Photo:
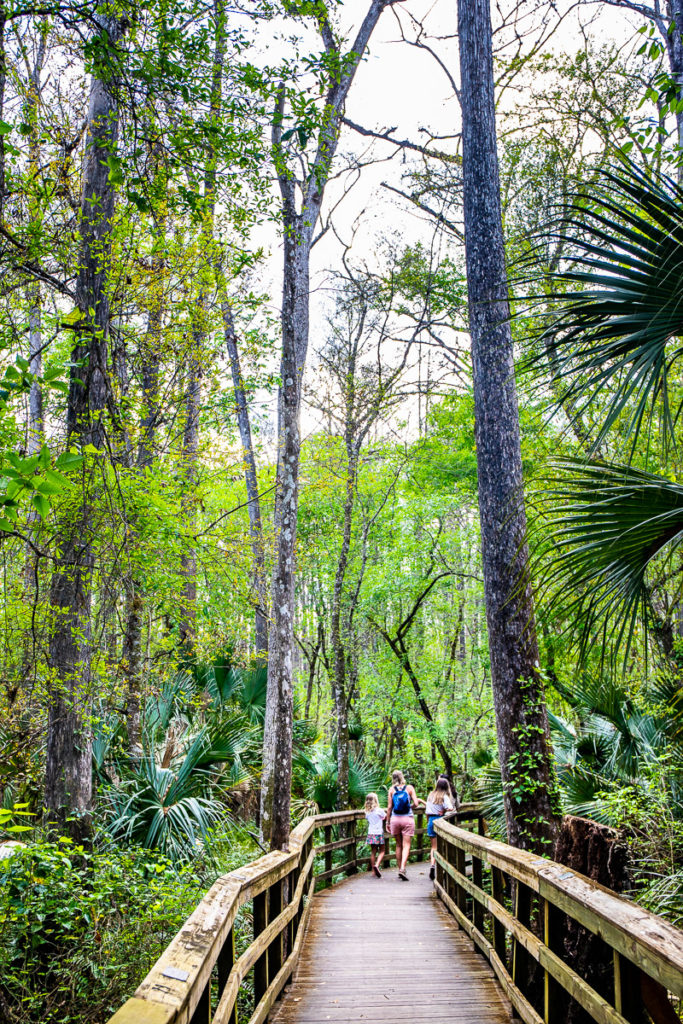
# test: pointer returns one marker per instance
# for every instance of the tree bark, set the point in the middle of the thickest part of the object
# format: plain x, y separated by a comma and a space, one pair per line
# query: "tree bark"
251, 479
341, 703
531, 804
131, 654
298, 237
68, 771
195, 370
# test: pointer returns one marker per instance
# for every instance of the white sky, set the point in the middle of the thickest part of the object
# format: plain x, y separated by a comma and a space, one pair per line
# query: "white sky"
402, 88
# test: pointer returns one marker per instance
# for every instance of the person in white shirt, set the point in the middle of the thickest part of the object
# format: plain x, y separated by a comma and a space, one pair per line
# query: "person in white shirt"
438, 802
375, 816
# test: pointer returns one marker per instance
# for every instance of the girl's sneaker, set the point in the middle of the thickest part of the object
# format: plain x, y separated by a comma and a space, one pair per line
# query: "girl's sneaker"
377, 871
403, 876
432, 873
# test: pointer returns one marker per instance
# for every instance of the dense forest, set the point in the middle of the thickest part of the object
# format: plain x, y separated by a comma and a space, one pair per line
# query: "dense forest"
339, 432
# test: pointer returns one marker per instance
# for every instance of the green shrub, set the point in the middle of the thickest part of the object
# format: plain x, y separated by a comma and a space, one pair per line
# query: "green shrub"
79, 929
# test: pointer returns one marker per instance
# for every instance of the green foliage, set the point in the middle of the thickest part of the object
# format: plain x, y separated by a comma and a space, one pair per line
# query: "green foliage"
79, 928
320, 781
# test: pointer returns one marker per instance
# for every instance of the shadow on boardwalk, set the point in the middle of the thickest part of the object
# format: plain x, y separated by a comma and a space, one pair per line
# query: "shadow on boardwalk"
387, 952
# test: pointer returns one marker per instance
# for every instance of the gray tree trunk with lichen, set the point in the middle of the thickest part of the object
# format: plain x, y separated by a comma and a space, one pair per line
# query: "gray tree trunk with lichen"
299, 225
531, 807
68, 769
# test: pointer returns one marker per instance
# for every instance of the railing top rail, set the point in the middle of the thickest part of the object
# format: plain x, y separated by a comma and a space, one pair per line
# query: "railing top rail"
647, 940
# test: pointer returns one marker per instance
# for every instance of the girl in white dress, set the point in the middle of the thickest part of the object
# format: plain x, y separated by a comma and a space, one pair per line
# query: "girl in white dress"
375, 816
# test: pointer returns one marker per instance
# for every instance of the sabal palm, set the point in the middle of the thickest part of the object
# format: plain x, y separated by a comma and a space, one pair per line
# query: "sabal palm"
615, 332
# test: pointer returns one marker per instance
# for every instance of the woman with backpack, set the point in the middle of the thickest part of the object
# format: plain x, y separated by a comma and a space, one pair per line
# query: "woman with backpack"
401, 820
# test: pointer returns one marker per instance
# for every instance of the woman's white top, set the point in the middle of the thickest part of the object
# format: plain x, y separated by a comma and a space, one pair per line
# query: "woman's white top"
375, 821
432, 809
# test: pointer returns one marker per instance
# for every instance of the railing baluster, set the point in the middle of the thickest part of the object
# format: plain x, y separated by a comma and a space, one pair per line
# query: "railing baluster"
554, 999
477, 879
498, 893
628, 1000
328, 853
441, 850
293, 926
226, 959
460, 891
353, 849
521, 961
202, 1013
420, 855
260, 912
275, 948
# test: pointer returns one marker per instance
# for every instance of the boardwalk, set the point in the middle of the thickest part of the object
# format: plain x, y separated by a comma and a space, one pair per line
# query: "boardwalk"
387, 952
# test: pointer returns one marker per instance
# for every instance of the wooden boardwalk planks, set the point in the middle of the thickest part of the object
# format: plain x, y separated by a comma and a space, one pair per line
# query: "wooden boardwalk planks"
387, 952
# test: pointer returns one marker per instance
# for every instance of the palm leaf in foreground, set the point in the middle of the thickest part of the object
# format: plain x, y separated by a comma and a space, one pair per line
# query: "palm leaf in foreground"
619, 302
609, 523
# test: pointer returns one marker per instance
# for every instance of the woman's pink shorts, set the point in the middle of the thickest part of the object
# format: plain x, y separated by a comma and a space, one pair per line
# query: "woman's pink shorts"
402, 825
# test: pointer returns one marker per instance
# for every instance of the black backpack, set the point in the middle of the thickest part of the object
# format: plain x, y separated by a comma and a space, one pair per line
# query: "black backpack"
401, 802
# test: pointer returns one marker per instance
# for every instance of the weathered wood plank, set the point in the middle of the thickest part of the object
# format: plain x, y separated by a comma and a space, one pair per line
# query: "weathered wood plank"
367, 936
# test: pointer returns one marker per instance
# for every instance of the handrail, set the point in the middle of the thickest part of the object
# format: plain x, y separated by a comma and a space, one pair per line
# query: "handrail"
518, 912
198, 969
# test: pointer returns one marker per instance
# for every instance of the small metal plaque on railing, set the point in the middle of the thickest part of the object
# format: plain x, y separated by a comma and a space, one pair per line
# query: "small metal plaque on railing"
176, 973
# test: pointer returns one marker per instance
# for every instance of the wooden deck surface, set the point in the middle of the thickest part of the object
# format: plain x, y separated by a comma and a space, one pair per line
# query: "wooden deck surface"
386, 951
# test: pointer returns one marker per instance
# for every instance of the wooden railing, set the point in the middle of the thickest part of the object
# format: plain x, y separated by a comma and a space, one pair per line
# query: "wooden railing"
198, 978
521, 911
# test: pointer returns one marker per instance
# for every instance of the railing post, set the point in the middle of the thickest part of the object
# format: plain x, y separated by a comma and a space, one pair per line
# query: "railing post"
420, 839
477, 908
521, 962
440, 849
553, 996
202, 1013
293, 926
353, 848
328, 853
260, 913
452, 887
275, 948
498, 893
460, 891
628, 1000
226, 959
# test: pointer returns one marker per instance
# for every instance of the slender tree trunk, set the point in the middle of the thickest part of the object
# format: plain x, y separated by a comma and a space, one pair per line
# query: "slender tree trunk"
190, 454
260, 586
132, 658
195, 372
36, 427
68, 771
276, 778
341, 701
298, 237
531, 803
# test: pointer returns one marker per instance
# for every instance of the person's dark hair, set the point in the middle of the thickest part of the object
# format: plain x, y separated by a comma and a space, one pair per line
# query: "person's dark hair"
442, 783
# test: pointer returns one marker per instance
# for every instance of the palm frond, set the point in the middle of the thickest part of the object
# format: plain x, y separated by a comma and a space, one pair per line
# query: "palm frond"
609, 522
618, 302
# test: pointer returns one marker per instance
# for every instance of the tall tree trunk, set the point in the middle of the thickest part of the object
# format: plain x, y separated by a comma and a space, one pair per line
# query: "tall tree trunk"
298, 237
195, 369
190, 453
251, 480
531, 804
341, 697
276, 778
68, 770
132, 655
